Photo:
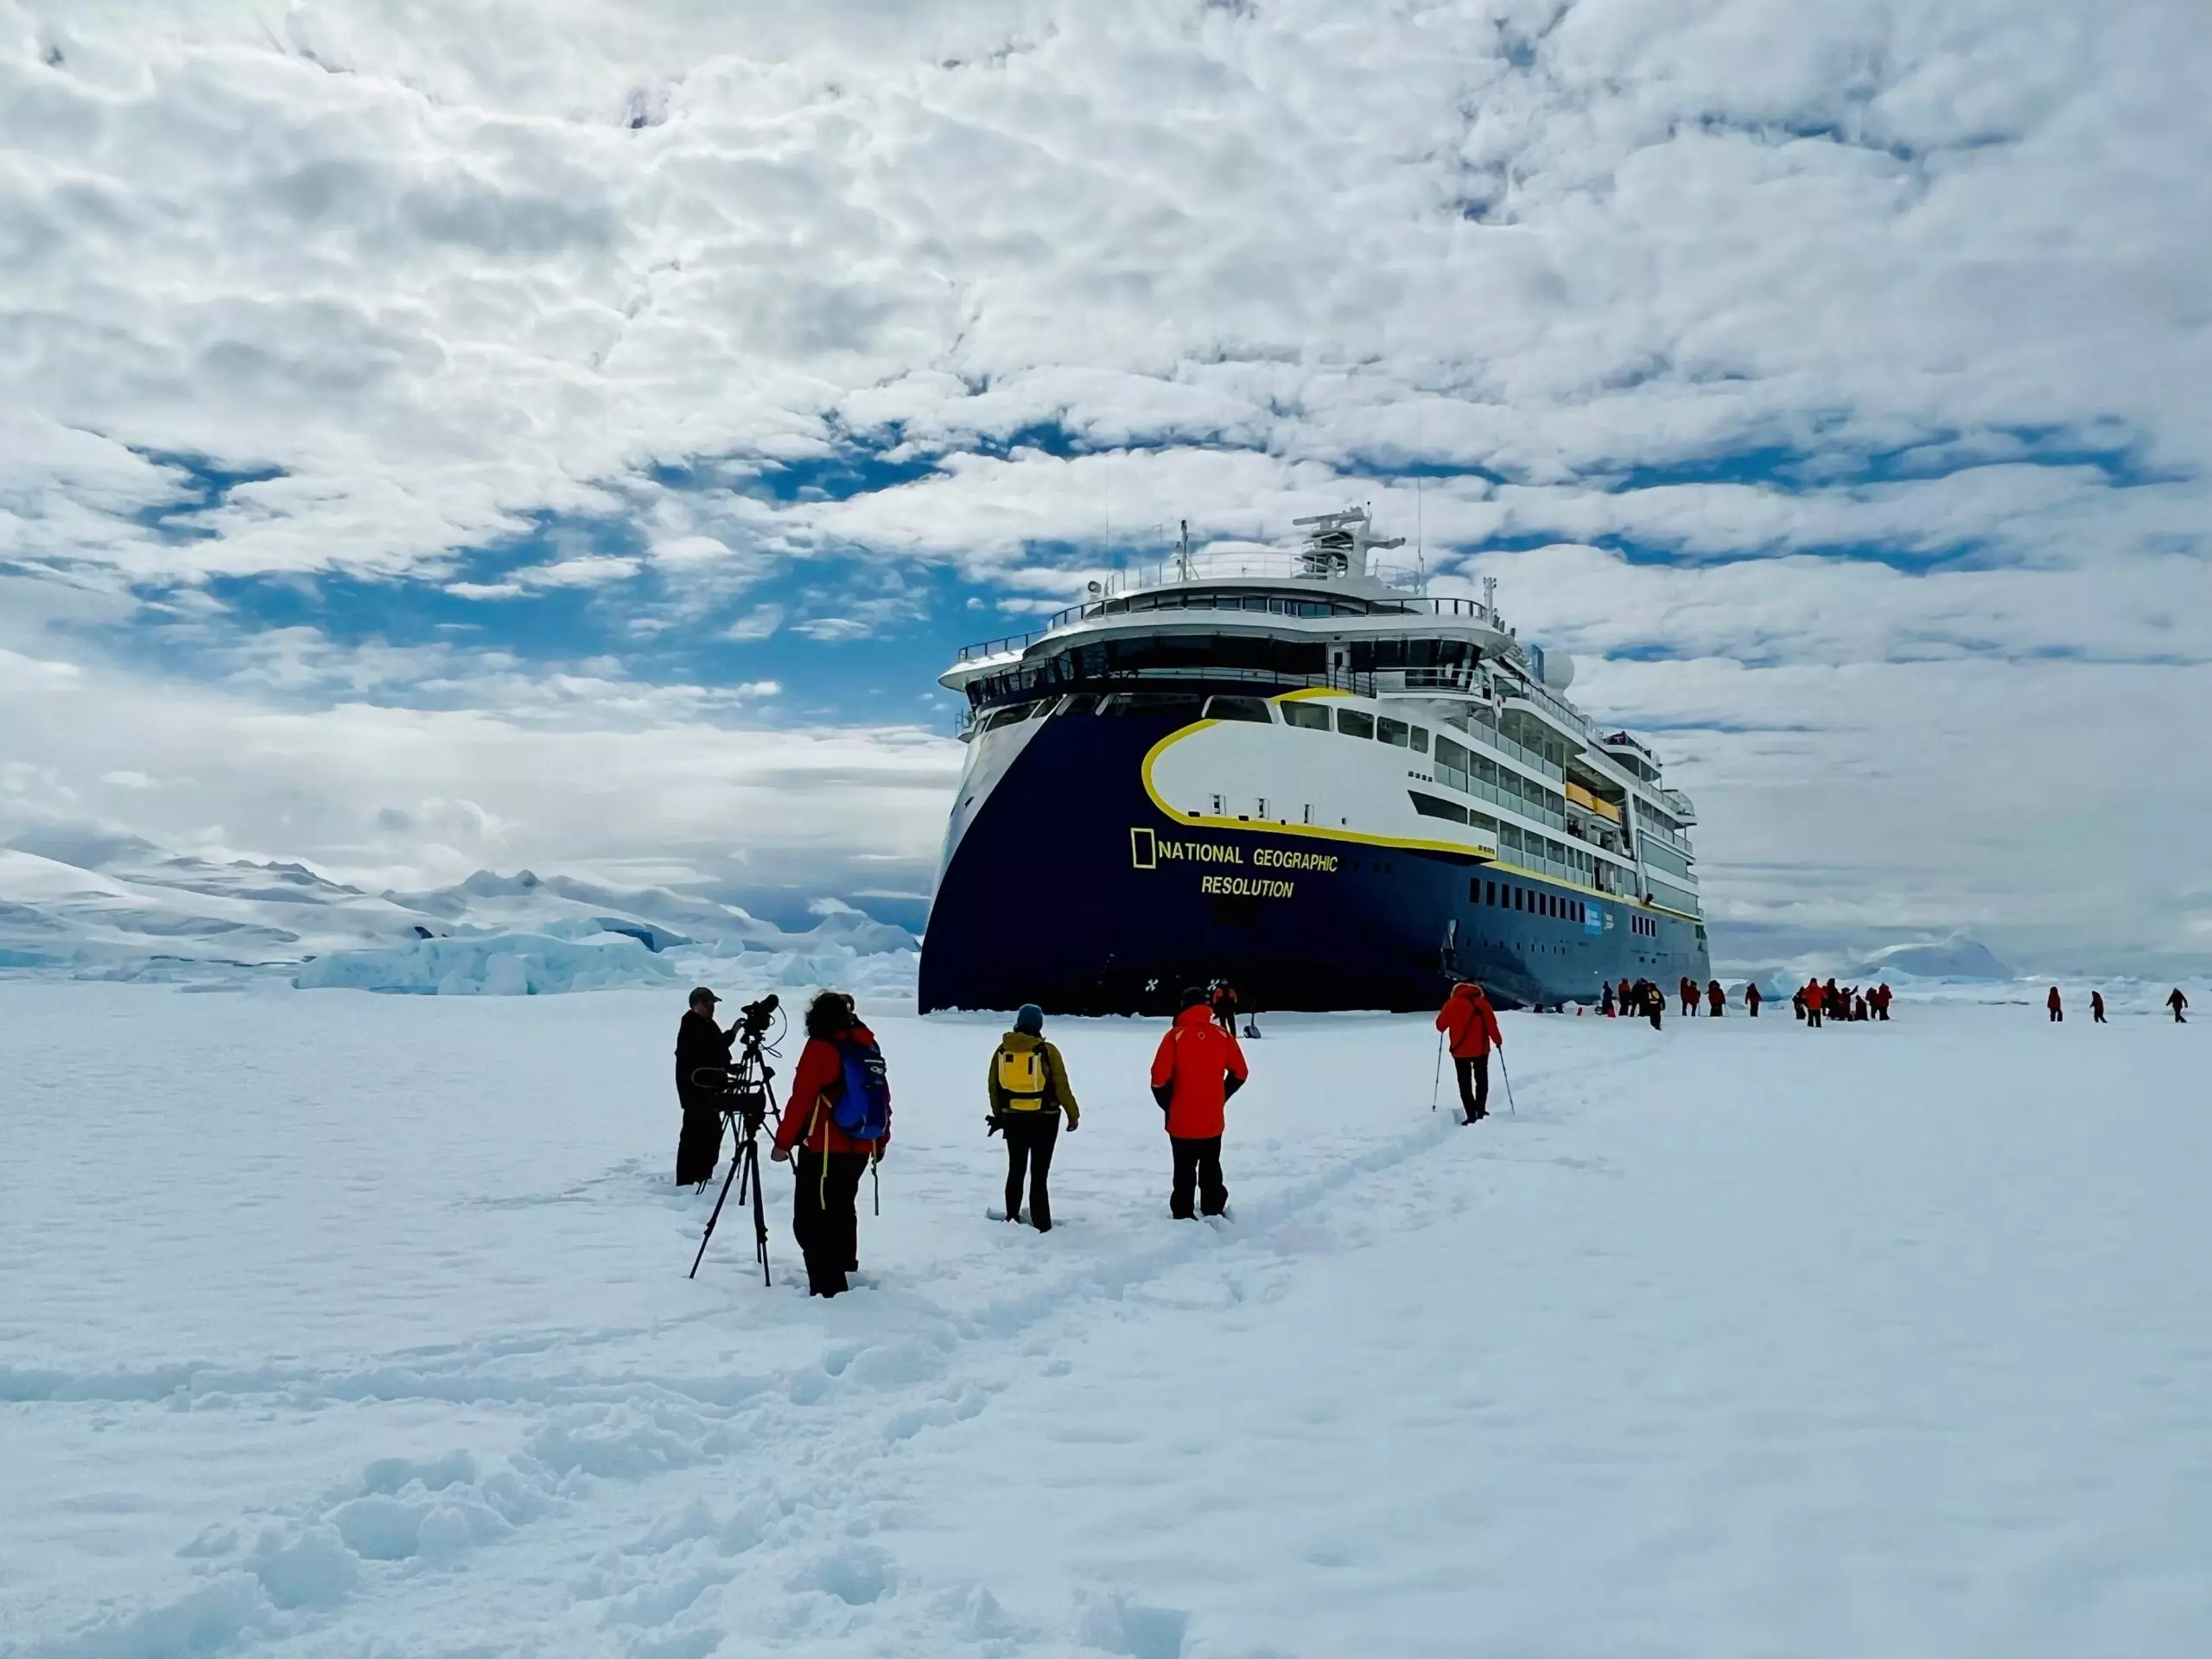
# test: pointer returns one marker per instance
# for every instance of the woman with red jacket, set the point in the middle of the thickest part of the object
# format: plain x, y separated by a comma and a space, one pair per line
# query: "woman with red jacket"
825, 1218
1470, 1024
1197, 1067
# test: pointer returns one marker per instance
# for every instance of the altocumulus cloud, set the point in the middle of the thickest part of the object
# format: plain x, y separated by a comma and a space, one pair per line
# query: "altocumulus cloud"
569, 432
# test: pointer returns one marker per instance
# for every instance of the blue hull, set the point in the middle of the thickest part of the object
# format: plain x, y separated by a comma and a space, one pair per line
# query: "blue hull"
1070, 889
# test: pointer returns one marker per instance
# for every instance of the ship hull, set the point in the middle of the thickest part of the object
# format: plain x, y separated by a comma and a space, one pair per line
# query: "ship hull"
1065, 883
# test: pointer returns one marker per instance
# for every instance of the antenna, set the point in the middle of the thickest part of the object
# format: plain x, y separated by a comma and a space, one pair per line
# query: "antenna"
1490, 598
1183, 552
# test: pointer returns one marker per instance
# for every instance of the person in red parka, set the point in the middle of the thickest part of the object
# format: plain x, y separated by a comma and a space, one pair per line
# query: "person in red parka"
1752, 999
825, 1219
1470, 1026
1197, 1067
1814, 996
2057, 1009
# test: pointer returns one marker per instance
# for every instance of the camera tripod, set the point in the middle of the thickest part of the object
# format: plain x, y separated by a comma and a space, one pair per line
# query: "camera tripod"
748, 1098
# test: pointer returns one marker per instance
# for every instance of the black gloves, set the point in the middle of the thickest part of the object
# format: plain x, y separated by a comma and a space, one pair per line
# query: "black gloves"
1165, 1094
1229, 1085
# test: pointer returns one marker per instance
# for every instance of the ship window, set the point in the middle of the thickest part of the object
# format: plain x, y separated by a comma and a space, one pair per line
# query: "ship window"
1083, 703
1434, 806
1008, 716
1253, 709
1388, 730
1315, 717
1492, 888
1044, 710
1520, 899
1353, 723
1421, 739
1449, 754
1158, 704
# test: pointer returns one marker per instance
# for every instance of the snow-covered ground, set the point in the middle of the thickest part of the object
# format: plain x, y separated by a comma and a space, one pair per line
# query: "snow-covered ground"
342, 1325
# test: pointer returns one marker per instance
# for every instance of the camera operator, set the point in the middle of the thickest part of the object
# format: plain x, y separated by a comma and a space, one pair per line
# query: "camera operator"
700, 1042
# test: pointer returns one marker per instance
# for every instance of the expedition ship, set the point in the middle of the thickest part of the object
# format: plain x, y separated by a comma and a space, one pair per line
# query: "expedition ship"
1300, 773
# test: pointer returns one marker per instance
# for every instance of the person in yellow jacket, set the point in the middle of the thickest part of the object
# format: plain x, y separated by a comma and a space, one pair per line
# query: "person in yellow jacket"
1028, 1084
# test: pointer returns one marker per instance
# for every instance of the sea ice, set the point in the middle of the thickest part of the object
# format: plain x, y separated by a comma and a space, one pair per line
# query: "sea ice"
349, 1324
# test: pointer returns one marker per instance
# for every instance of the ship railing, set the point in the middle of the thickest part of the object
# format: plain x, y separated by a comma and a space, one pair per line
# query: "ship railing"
1274, 681
1490, 737
1683, 807
1664, 836
1231, 563
1319, 604
1574, 719
1467, 784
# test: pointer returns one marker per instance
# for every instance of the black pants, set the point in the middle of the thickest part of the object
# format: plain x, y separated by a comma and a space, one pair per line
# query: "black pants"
1652, 1012
2057, 1015
1029, 1140
1474, 1071
824, 1220
699, 1147
1812, 1016
1197, 1163
2097, 1014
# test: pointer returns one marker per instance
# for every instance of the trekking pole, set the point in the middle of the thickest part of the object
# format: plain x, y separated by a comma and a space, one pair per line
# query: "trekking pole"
1436, 1074
875, 1181
1508, 1076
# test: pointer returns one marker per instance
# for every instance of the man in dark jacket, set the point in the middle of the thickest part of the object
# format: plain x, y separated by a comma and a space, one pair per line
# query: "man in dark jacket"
1197, 1067
1028, 1085
1470, 1026
700, 1043
2176, 1002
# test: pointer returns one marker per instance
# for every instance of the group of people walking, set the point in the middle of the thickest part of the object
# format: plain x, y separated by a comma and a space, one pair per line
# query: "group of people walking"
1642, 998
831, 1143
2054, 1007
1815, 1002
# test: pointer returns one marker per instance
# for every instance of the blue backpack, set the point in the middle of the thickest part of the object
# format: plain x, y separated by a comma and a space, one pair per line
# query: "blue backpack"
864, 1110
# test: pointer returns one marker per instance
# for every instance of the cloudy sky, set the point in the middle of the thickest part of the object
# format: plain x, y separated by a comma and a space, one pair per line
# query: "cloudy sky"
573, 435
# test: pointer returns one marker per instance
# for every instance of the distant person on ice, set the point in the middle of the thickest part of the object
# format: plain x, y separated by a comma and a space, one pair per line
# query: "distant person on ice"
1470, 1027
839, 1080
1605, 999
1028, 1085
700, 1043
1654, 1003
1717, 998
1752, 999
1814, 996
1223, 999
1689, 997
2176, 1002
2057, 1008
1197, 1068
2096, 1007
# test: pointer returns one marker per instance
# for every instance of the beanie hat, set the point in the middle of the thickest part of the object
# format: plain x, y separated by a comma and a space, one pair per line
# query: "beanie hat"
1192, 996
1030, 1018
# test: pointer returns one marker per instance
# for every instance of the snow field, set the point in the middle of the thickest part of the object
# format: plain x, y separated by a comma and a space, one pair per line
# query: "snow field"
349, 1325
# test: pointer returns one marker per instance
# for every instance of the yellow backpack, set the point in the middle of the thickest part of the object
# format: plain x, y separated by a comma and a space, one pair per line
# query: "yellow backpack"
1024, 1078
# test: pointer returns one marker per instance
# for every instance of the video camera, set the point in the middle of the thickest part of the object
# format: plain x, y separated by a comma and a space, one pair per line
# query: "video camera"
757, 1015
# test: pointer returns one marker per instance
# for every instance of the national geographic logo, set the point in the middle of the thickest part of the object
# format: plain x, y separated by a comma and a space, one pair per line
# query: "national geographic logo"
1148, 850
